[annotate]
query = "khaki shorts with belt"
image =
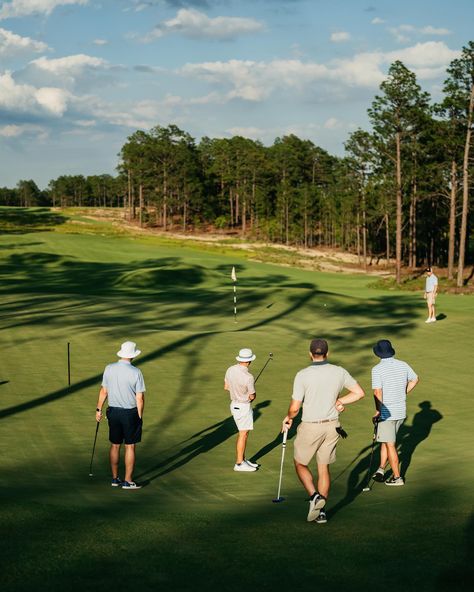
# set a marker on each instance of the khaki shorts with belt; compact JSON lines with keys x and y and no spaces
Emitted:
{"x":318,"y":438}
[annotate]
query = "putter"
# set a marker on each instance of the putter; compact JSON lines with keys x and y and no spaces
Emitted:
{"x":278,"y":498}
{"x":93,"y":449}
{"x":270,"y":357}
{"x":369,"y":476}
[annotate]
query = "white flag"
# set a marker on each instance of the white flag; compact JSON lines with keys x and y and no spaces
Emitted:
{"x":232,"y":275}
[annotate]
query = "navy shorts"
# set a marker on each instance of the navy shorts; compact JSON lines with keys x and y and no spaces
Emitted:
{"x":124,"y":425}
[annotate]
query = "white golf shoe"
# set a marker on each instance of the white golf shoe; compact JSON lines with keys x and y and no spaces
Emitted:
{"x":244,"y":467}
{"x":252,"y":464}
{"x":315,"y":505}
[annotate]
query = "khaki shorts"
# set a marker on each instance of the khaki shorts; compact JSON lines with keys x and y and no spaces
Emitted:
{"x":243,"y":415}
{"x":316,"y":438}
{"x":387,"y":430}
{"x":430,"y":298}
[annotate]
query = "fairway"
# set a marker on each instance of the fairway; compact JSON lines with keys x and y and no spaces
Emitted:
{"x":197,"y":525}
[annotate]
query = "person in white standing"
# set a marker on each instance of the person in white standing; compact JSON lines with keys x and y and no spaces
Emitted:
{"x":431,"y":289}
{"x":241,"y":386}
{"x":392,"y":380}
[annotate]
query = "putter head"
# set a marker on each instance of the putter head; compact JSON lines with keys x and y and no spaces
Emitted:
{"x":366,"y":489}
{"x":270,"y":355}
{"x":278,"y":500}
{"x":91,"y":475}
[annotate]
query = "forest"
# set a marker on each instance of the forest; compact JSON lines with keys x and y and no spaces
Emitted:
{"x":400,"y":193}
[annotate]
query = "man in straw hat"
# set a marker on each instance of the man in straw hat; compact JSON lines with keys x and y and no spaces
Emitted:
{"x":124,"y":387}
{"x":240,"y":384}
{"x":392,"y":380}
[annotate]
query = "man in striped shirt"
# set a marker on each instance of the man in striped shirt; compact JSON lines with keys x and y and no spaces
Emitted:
{"x":392,"y":380}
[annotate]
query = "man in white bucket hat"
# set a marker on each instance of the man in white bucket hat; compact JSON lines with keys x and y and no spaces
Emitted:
{"x":124,"y":387}
{"x":240,"y":384}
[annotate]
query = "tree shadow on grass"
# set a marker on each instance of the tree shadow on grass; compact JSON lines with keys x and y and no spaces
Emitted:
{"x":24,"y":220}
{"x":460,"y":576}
{"x":201,"y":442}
{"x":277,"y":440}
{"x":408,"y":439}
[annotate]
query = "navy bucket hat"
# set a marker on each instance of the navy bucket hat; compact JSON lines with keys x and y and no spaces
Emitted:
{"x":384,"y":349}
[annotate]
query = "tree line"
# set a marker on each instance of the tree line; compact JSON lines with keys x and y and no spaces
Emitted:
{"x":401,"y":191}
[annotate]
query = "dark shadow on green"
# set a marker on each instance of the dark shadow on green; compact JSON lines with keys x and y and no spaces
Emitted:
{"x":23,"y":220}
{"x":94,"y":380}
{"x":209,"y":438}
{"x":460,"y":576}
{"x":409,"y":437}
{"x":277,"y":440}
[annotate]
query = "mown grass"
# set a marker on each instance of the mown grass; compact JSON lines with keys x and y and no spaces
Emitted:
{"x":197,"y":525}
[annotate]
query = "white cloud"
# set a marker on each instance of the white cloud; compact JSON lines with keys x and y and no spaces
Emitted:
{"x":191,"y":23}
{"x":16,"y":8}
{"x":402,"y":33}
{"x":340,"y":36}
{"x":429,"y":30}
{"x":256,"y":81}
{"x":15,"y":131}
{"x":68,"y":66}
{"x":53,"y":100}
{"x":24,"y":98}
{"x":12,"y":44}
{"x":100,"y":42}
{"x":377,"y":21}
{"x":333,"y":123}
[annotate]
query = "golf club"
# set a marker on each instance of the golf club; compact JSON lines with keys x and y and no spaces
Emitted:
{"x":278,"y":498}
{"x":374,"y":437}
{"x":93,"y":448}
{"x":270,"y":357}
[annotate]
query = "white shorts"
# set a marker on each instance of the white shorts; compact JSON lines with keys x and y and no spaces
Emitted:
{"x":243,"y":415}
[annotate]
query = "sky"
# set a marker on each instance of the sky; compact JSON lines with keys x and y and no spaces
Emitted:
{"x":77,"y":77}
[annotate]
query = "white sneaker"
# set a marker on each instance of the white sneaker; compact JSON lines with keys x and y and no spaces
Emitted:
{"x":433,"y":320}
{"x":244,"y":467}
{"x":315,"y":505}
{"x":428,"y":321}
{"x":252,"y":464}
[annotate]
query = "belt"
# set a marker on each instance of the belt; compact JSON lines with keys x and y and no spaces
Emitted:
{"x":323,"y":420}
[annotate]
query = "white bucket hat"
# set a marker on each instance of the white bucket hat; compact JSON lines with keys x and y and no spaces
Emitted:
{"x":246,"y":355}
{"x":128,"y":350}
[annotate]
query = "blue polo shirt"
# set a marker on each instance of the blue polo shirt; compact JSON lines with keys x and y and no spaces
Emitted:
{"x":123,"y":381}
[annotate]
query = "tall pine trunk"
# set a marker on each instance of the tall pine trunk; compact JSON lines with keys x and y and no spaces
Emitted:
{"x":465,"y":193}
{"x":398,"y":233}
{"x":452,"y":219}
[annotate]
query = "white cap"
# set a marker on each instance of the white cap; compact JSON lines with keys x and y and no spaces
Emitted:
{"x":246,"y":355}
{"x":128,"y":350}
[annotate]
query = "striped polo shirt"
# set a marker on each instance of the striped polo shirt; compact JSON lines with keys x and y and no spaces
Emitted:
{"x":392,"y":376}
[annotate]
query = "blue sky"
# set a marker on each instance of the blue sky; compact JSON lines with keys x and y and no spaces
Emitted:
{"x":78,"y":76}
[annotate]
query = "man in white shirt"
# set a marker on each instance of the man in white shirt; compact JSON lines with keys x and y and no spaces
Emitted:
{"x":431,"y":289}
{"x":241,"y":386}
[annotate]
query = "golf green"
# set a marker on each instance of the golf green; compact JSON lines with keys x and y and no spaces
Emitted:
{"x":198,"y":525}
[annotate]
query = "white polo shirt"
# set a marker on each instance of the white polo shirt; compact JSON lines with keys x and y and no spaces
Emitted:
{"x":240,"y":383}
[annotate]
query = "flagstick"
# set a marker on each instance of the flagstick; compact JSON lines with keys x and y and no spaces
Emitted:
{"x":235,"y":302}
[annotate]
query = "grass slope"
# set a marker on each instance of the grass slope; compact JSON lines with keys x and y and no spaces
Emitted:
{"x":197,"y":525}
